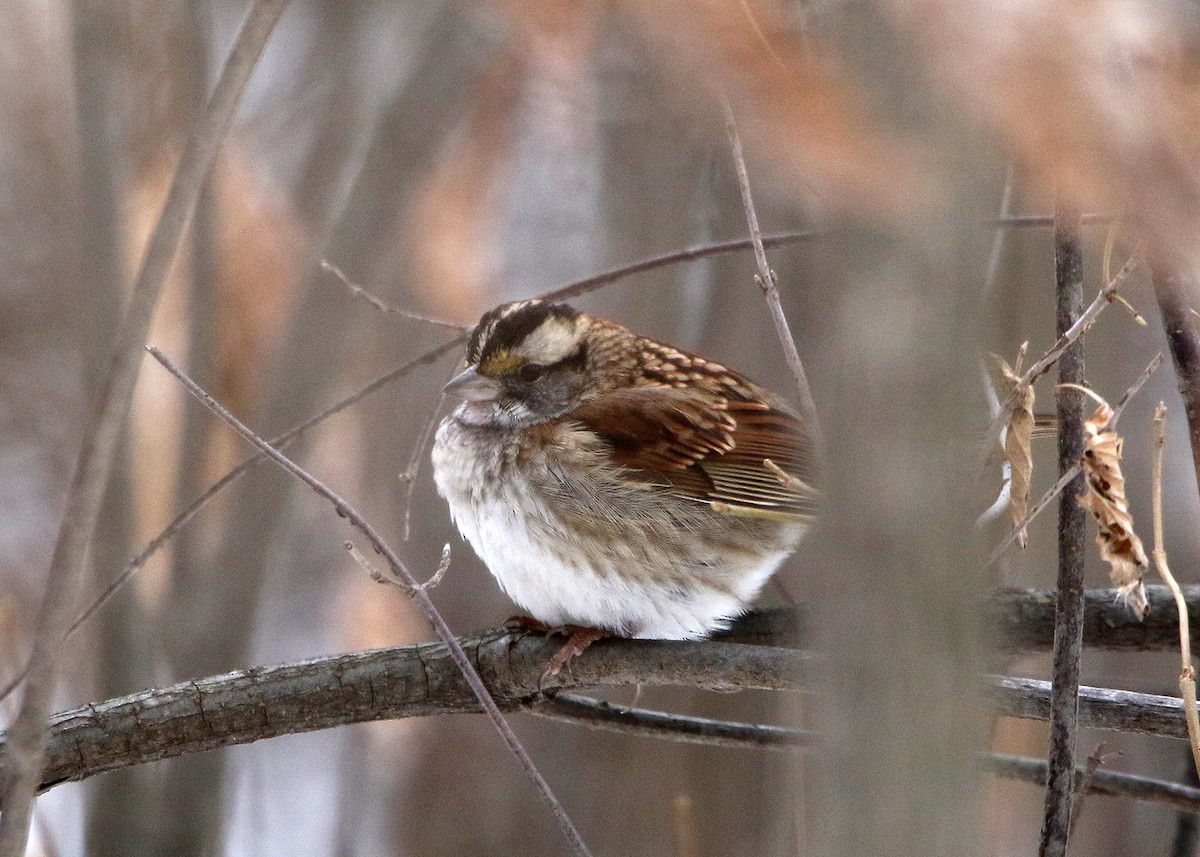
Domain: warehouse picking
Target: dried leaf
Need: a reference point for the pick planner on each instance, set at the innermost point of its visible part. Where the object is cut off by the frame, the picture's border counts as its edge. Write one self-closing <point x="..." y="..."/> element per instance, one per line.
<point x="1017" y="438"/>
<point x="1120" y="546"/>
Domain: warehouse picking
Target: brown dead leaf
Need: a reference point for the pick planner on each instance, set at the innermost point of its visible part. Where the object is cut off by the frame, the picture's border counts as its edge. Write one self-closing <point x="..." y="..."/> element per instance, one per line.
<point x="1017" y="438"/>
<point x="1120" y="546"/>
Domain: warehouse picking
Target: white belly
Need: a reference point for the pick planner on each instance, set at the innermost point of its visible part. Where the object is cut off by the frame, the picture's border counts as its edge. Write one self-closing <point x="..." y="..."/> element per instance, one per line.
<point x="615" y="578"/>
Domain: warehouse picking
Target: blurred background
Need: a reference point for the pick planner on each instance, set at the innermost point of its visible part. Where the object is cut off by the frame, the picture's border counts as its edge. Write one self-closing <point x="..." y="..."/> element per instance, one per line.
<point x="448" y="156"/>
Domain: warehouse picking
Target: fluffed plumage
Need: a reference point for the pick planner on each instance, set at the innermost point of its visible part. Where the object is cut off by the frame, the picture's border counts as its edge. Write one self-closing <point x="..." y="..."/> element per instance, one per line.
<point x="613" y="482"/>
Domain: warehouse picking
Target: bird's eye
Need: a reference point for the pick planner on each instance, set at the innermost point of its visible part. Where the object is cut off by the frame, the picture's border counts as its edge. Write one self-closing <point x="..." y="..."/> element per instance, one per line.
<point x="531" y="372"/>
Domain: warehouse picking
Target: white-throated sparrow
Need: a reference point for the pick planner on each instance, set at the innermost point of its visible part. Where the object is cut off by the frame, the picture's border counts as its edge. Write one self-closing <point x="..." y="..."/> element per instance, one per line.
<point x="615" y="485"/>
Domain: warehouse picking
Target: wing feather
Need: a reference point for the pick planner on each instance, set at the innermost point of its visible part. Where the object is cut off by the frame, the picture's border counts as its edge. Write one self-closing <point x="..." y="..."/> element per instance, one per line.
<point x="708" y="446"/>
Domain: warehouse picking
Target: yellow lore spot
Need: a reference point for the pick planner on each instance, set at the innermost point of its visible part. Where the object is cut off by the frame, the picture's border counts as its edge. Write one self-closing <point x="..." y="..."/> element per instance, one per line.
<point x="501" y="363"/>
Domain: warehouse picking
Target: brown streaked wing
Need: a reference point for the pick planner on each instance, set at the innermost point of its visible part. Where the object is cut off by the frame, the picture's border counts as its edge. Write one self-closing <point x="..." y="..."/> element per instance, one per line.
<point x="706" y="447"/>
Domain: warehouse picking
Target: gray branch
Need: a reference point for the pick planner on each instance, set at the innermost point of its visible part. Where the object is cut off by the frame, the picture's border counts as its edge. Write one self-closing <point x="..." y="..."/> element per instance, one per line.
<point x="1108" y="783"/>
<point x="605" y="716"/>
<point x="1099" y="707"/>
<point x="1022" y="621"/>
<point x="421" y="680"/>
<point x="406" y="681"/>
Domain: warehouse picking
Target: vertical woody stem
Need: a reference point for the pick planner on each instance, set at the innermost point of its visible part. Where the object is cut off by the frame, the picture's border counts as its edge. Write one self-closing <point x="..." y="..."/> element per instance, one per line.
<point x="1068" y="618"/>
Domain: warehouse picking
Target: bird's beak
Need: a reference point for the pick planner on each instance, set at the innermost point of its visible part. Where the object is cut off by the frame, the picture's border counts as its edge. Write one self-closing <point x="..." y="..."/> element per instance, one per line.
<point x="470" y="385"/>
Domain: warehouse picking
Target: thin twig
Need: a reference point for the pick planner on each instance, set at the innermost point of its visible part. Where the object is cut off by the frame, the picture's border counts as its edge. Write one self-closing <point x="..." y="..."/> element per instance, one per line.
<point x="597" y="714"/>
<point x="400" y="570"/>
<point x="384" y="307"/>
<point x="1076" y="469"/>
<point x="1083" y="784"/>
<point x="1187" y="672"/>
<point x="1110" y="244"/>
<point x="1019" y="221"/>
<point x="1108" y="783"/>
<point x="1066" y="339"/>
<point x="106" y="423"/>
<point x="596" y="281"/>
<point x="379" y="577"/>
<point x="1068" y="619"/>
<point x="767" y="283"/>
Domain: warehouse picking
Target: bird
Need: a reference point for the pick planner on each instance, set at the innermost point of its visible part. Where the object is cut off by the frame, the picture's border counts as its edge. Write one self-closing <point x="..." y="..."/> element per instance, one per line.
<point x="617" y="486"/>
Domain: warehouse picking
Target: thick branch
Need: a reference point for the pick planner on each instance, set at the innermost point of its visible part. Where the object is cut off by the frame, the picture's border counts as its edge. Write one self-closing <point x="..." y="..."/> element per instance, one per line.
<point x="1022" y="621"/>
<point x="418" y="681"/>
<point x="407" y="681"/>
<point x="1099" y="707"/>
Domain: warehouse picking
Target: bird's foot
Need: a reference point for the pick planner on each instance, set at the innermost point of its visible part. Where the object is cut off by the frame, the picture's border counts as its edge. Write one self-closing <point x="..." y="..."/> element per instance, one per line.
<point x="579" y="637"/>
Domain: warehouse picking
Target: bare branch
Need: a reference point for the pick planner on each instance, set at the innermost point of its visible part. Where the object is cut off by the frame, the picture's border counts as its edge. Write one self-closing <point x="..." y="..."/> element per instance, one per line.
<point x="597" y="714"/>
<point x="384" y="307"/>
<point x="1068" y="619"/>
<point x="1099" y="707"/>
<point x="1108" y="783"/>
<point x="423" y="680"/>
<point x="404" y="681"/>
<point x="106" y="422"/>
<point x="1022" y="621"/>
<point x="1022" y="221"/>
<point x="598" y="281"/>
<point x="767" y="282"/>
<point x="329" y="691"/>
